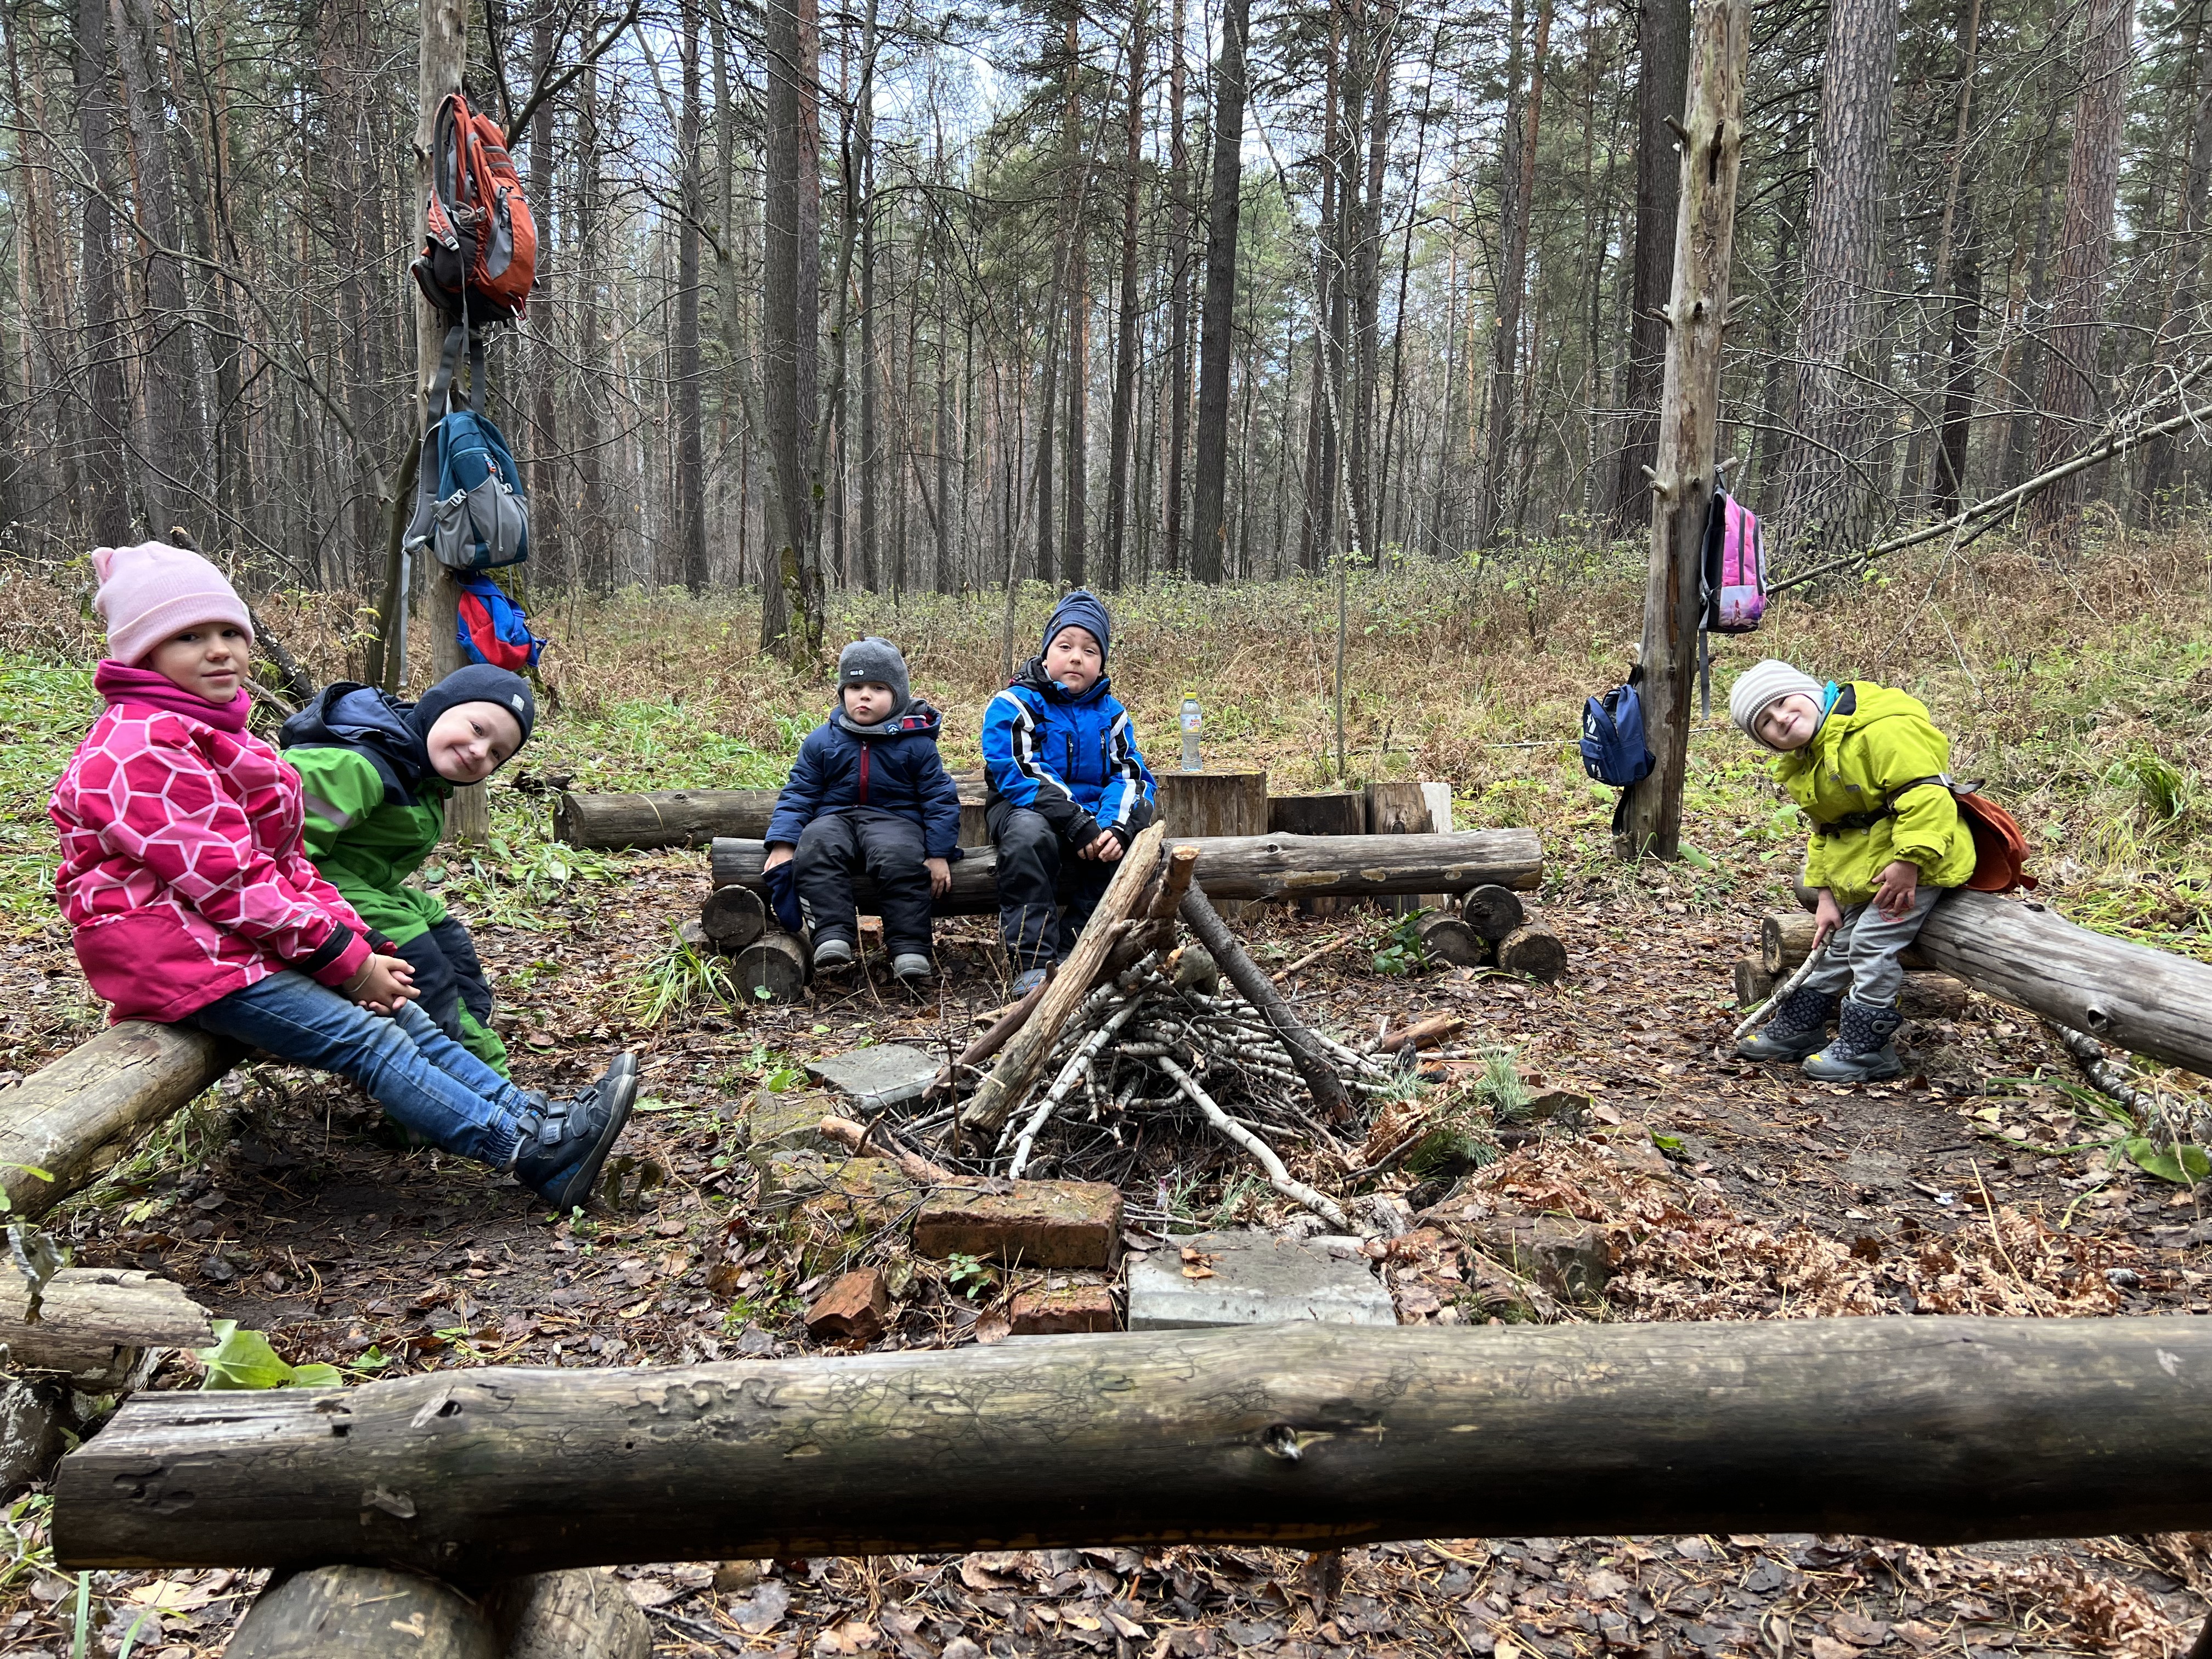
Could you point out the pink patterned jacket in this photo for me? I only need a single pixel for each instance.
(181, 871)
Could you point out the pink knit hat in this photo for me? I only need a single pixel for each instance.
(151, 591)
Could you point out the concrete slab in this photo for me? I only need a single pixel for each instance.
(887, 1074)
(1257, 1279)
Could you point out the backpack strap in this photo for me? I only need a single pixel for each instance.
(443, 397)
(1867, 820)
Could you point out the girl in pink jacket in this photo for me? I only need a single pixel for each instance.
(190, 900)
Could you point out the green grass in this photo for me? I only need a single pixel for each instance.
(44, 711)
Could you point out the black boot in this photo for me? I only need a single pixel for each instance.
(1796, 1028)
(561, 1145)
(1862, 1052)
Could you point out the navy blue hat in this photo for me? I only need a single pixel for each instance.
(1084, 609)
(477, 683)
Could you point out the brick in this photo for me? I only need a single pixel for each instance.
(1061, 1309)
(1036, 1224)
(852, 1309)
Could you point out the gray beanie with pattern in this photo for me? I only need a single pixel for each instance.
(874, 660)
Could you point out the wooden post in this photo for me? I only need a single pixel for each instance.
(1705, 232)
(1343, 813)
(1216, 803)
(1399, 808)
(443, 55)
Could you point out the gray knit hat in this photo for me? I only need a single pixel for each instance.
(874, 660)
(1760, 685)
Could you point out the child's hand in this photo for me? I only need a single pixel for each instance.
(383, 985)
(940, 876)
(1899, 883)
(1828, 916)
(778, 854)
(1107, 849)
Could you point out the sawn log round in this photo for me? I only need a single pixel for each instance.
(1936, 1430)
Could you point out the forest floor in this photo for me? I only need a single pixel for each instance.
(1988, 1180)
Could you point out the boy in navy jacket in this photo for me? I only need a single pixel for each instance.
(868, 794)
(1067, 787)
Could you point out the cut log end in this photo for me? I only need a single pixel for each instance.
(1450, 940)
(1493, 911)
(733, 917)
(362, 1612)
(1534, 950)
(775, 963)
(583, 1614)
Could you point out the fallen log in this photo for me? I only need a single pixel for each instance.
(1251, 867)
(661, 818)
(1448, 939)
(2151, 1002)
(365, 1612)
(568, 1615)
(691, 817)
(1934, 1430)
(1785, 940)
(79, 1115)
(989, 1107)
(95, 1322)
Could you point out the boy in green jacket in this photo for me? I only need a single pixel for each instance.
(377, 773)
(1869, 768)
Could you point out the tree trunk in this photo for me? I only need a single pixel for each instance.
(443, 53)
(1662, 41)
(1178, 297)
(76, 1116)
(791, 319)
(1689, 416)
(1936, 1430)
(108, 510)
(1367, 358)
(2162, 464)
(691, 504)
(1511, 280)
(1216, 344)
(1269, 867)
(174, 449)
(548, 541)
(2072, 379)
(1125, 333)
(1829, 498)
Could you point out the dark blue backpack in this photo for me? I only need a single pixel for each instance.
(1612, 738)
(471, 509)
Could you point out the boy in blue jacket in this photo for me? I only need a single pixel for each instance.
(869, 795)
(1066, 783)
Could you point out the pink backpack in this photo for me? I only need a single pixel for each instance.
(1735, 567)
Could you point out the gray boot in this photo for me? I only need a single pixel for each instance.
(1862, 1052)
(1796, 1028)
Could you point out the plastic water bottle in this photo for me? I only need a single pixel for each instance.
(1190, 725)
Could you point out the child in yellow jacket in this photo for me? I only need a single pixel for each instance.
(1867, 766)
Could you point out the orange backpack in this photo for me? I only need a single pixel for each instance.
(2000, 848)
(480, 249)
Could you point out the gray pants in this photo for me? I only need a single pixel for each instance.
(1863, 954)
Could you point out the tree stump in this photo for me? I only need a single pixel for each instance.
(582, 1613)
(732, 918)
(1194, 804)
(1929, 994)
(1493, 912)
(1534, 950)
(776, 963)
(1449, 939)
(1399, 808)
(1344, 813)
(362, 1612)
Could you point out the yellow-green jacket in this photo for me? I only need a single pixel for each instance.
(1874, 739)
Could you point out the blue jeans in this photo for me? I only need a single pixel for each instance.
(426, 1081)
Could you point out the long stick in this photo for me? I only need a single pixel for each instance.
(1230, 1129)
(1804, 968)
(2095, 455)
(1312, 1067)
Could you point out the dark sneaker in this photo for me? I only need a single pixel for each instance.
(1796, 1028)
(1862, 1052)
(913, 967)
(563, 1144)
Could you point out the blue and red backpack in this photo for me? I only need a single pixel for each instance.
(493, 628)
